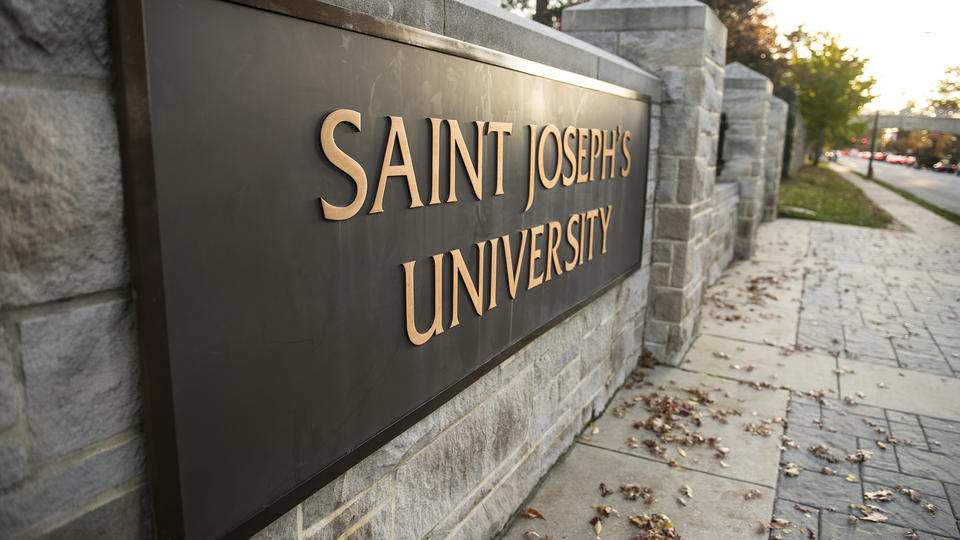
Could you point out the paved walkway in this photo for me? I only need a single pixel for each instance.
(822, 399)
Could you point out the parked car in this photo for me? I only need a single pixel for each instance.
(945, 165)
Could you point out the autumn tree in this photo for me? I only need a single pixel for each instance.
(750, 40)
(830, 85)
(946, 98)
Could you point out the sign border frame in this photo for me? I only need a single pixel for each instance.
(133, 107)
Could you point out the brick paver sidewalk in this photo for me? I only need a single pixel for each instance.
(822, 398)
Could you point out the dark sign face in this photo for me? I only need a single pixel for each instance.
(336, 231)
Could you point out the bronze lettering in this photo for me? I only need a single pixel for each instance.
(604, 223)
(513, 274)
(342, 161)
(533, 145)
(436, 328)
(626, 153)
(459, 146)
(573, 241)
(534, 280)
(553, 242)
(595, 149)
(582, 174)
(501, 129)
(592, 216)
(397, 136)
(435, 160)
(474, 289)
(549, 129)
(608, 153)
(568, 154)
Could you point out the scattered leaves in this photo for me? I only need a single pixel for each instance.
(822, 452)
(654, 527)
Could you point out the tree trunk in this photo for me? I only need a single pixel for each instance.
(542, 16)
(818, 147)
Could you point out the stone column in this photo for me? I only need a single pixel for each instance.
(746, 102)
(683, 43)
(773, 156)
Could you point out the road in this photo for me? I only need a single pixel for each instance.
(941, 189)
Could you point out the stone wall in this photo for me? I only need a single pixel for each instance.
(722, 231)
(746, 102)
(682, 42)
(71, 449)
(773, 156)
(71, 443)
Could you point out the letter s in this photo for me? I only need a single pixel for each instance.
(342, 161)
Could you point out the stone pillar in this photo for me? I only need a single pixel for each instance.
(773, 156)
(746, 102)
(683, 43)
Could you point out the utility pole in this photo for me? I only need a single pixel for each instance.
(873, 144)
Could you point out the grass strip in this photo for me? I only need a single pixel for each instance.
(942, 212)
(821, 194)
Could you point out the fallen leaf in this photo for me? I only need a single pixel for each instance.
(881, 445)
(597, 525)
(681, 501)
(912, 535)
(685, 489)
(881, 495)
(532, 513)
(605, 510)
(681, 452)
(875, 517)
(722, 464)
(851, 478)
(882, 385)
(604, 491)
(752, 494)
(776, 523)
(828, 471)
(531, 535)
(791, 469)
(931, 509)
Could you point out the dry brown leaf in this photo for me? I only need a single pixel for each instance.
(851, 478)
(532, 513)
(752, 494)
(604, 491)
(881, 495)
(931, 509)
(685, 489)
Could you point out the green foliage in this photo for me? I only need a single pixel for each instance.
(947, 93)
(820, 194)
(830, 86)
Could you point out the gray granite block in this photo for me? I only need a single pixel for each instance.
(80, 374)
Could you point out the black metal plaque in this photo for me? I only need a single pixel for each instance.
(272, 312)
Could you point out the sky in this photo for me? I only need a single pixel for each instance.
(909, 43)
